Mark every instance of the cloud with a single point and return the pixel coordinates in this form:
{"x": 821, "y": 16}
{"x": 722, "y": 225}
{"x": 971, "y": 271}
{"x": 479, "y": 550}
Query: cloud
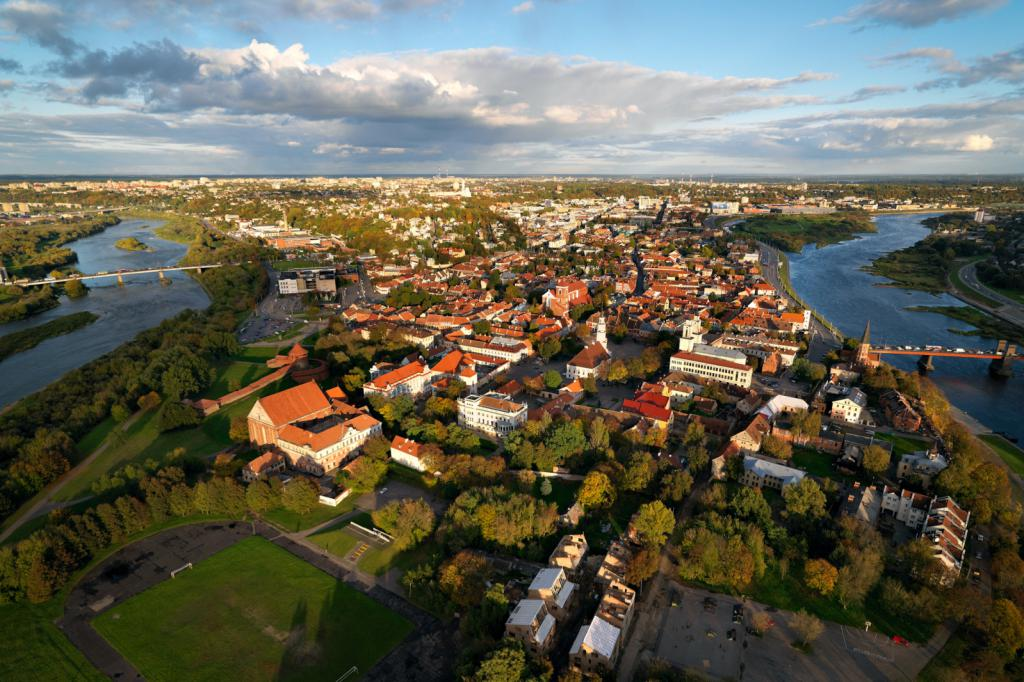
{"x": 523, "y": 7}
{"x": 869, "y": 92}
{"x": 976, "y": 143}
{"x": 10, "y": 65}
{"x": 1002, "y": 67}
{"x": 6, "y": 86}
{"x": 41, "y": 23}
{"x": 911, "y": 13}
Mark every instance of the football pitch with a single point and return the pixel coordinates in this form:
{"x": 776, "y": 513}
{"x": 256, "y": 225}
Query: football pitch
{"x": 252, "y": 612}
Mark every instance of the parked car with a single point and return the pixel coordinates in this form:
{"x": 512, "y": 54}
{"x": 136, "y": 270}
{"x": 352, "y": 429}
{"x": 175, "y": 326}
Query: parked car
{"x": 896, "y": 639}
{"x": 737, "y": 614}
{"x": 731, "y": 635}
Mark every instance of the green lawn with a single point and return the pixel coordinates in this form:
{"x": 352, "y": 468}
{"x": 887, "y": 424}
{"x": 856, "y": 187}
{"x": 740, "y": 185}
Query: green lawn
{"x": 252, "y": 612}
{"x": 297, "y": 264}
{"x": 143, "y": 440}
{"x": 235, "y": 374}
{"x": 902, "y": 445}
{"x": 258, "y": 353}
{"x": 292, "y": 522}
{"x": 339, "y": 540}
{"x": 817, "y": 463}
{"x": 1010, "y": 453}
{"x": 34, "y": 649}
{"x": 97, "y": 435}
{"x": 563, "y": 493}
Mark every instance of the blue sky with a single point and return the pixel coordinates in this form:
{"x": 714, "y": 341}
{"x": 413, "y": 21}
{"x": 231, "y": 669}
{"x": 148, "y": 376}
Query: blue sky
{"x": 541, "y": 86}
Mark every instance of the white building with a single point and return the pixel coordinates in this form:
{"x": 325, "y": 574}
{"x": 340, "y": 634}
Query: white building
{"x": 596, "y": 647}
{"x": 532, "y": 625}
{"x": 851, "y": 407}
{"x": 493, "y": 413}
{"x": 763, "y": 473}
{"x": 552, "y": 586}
{"x": 924, "y": 464}
{"x": 411, "y": 379}
{"x": 407, "y": 453}
{"x": 323, "y": 446}
{"x": 908, "y": 507}
{"x": 717, "y": 364}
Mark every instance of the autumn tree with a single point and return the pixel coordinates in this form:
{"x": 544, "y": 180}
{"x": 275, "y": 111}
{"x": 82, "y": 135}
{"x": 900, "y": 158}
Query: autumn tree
{"x": 238, "y": 430}
{"x": 463, "y": 578}
{"x": 597, "y": 491}
{"x": 807, "y": 627}
{"x": 876, "y": 459}
{"x": 820, "y": 576}
{"x": 675, "y": 486}
{"x": 1005, "y": 628}
{"x": 804, "y": 499}
{"x": 408, "y": 521}
{"x": 773, "y": 446}
{"x": 300, "y": 495}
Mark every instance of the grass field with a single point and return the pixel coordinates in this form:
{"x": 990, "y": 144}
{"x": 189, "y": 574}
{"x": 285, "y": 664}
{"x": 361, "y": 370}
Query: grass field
{"x": 817, "y": 464}
{"x": 252, "y": 612}
{"x": 297, "y": 264}
{"x": 34, "y": 649}
{"x": 143, "y": 440}
{"x": 1010, "y": 453}
{"x": 902, "y": 445}
{"x": 340, "y": 541}
{"x": 293, "y": 522}
{"x": 235, "y": 374}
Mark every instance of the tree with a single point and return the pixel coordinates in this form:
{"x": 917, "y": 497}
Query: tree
{"x": 761, "y": 621}
{"x": 773, "y": 446}
{"x": 642, "y": 565}
{"x": 549, "y": 347}
{"x": 365, "y": 474}
{"x": 652, "y": 524}
{"x": 149, "y": 401}
{"x": 75, "y": 289}
{"x": 617, "y": 372}
{"x": 260, "y": 497}
{"x": 552, "y": 380}
{"x": 175, "y": 415}
{"x": 856, "y": 579}
{"x": 464, "y": 578}
{"x": 119, "y": 412}
{"x": 876, "y": 459}
{"x": 300, "y": 495}
{"x": 638, "y": 472}
{"x": 807, "y": 627}
{"x": 507, "y": 664}
{"x": 749, "y": 503}
{"x": 545, "y": 487}
{"x": 804, "y": 499}
{"x": 820, "y": 576}
{"x": 675, "y": 486}
{"x": 806, "y": 423}
{"x": 408, "y": 521}
{"x": 238, "y": 431}
{"x": 805, "y": 370}
{"x": 1005, "y": 628}
{"x": 597, "y": 491}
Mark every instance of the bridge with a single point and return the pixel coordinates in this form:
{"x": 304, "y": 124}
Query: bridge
{"x": 119, "y": 274}
{"x": 1002, "y": 358}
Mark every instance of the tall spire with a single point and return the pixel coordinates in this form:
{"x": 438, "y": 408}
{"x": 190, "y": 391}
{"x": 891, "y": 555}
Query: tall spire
{"x": 863, "y": 355}
{"x": 866, "y": 338}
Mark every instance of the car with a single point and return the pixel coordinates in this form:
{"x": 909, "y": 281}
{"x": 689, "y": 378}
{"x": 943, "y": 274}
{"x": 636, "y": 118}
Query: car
{"x": 896, "y": 639}
{"x": 737, "y": 614}
{"x": 981, "y": 538}
{"x": 977, "y": 555}
{"x": 731, "y": 635}
{"x": 711, "y": 634}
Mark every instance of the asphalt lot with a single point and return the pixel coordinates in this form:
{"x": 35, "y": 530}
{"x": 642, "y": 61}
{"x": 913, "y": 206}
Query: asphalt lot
{"x": 841, "y": 653}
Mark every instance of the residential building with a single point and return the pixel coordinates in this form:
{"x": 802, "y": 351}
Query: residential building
{"x": 760, "y": 472}
{"x": 411, "y": 379}
{"x": 923, "y": 464}
{"x": 569, "y": 553}
{"x": 557, "y": 591}
{"x": 596, "y": 647}
{"x": 946, "y": 528}
{"x": 851, "y": 407}
{"x": 263, "y": 466}
{"x": 613, "y": 566}
{"x": 493, "y": 413}
{"x": 717, "y": 364}
{"x": 906, "y": 506}
{"x": 407, "y": 453}
{"x": 531, "y": 624}
{"x": 323, "y": 445}
{"x": 589, "y": 362}
{"x": 899, "y": 411}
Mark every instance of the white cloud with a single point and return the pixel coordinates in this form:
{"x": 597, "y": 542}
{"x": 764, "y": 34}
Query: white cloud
{"x": 911, "y": 13}
{"x": 523, "y": 7}
{"x": 976, "y": 143}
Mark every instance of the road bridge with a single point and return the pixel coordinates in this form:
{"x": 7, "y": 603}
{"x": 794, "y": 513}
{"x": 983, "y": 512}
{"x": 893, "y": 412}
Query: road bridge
{"x": 1002, "y": 358}
{"x": 119, "y": 274}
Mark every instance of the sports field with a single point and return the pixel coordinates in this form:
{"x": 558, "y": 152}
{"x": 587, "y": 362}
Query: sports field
{"x": 252, "y": 612}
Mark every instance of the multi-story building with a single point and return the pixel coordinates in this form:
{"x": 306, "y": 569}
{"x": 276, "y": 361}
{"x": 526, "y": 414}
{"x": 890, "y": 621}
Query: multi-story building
{"x": 555, "y": 589}
{"x": 589, "y": 362}
{"x": 569, "y": 553}
{"x": 759, "y": 472}
{"x": 613, "y": 565}
{"x": 411, "y": 379}
{"x": 717, "y": 364}
{"x": 499, "y": 348}
{"x": 272, "y": 413}
{"x": 924, "y": 464}
{"x": 906, "y": 506}
{"x": 531, "y": 624}
{"x": 946, "y": 527}
{"x": 263, "y": 466}
{"x": 598, "y": 643}
{"x": 325, "y": 444}
{"x": 320, "y": 281}
{"x": 567, "y": 294}
{"x": 493, "y": 413}
{"x": 851, "y": 407}
{"x": 407, "y": 453}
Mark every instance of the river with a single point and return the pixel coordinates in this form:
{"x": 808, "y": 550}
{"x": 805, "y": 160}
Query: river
{"x": 830, "y": 280}
{"x": 123, "y": 311}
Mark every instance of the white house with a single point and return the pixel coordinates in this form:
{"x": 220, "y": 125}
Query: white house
{"x": 407, "y": 453}
{"x": 493, "y": 413}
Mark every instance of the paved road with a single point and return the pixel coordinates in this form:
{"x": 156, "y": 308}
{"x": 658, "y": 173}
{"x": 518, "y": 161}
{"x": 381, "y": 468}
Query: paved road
{"x": 822, "y": 339}
{"x": 1008, "y": 309}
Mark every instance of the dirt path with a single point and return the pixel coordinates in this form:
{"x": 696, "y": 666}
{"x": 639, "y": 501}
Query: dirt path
{"x": 45, "y": 504}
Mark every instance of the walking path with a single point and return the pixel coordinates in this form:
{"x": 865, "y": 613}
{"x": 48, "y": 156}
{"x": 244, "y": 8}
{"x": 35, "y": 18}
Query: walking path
{"x": 44, "y": 504}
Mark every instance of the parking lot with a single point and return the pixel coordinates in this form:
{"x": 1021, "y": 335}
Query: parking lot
{"x": 693, "y": 637}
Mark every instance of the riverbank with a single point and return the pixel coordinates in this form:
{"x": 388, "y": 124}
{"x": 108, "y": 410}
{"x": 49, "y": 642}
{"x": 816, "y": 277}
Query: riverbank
{"x": 793, "y": 232}
{"x": 985, "y": 324}
{"x": 173, "y": 227}
{"x": 17, "y": 342}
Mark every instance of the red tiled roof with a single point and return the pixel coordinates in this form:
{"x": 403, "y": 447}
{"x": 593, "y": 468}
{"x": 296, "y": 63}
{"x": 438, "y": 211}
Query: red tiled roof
{"x": 294, "y": 403}
{"x": 409, "y": 447}
{"x": 399, "y": 375}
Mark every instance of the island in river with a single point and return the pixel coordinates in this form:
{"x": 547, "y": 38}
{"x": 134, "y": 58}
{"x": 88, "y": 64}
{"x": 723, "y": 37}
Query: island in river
{"x": 794, "y": 232}
{"x": 132, "y": 244}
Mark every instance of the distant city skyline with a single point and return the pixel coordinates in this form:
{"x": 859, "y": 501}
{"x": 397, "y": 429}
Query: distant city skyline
{"x": 536, "y": 87}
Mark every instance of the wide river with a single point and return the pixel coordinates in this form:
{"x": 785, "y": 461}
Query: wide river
{"x": 123, "y": 311}
{"x": 830, "y": 279}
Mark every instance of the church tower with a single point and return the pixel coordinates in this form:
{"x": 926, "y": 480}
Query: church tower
{"x": 863, "y": 356}
{"x": 601, "y": 333}
{"x": 692, "y": 334}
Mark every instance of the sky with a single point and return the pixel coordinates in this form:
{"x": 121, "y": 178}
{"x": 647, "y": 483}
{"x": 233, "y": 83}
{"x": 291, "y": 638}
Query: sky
{"x": 666, "y": 87}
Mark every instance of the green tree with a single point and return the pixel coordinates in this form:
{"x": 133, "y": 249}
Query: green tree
{"x": 804, "y": 498}
{"x": 552, "y": 380}
{"x": 238, "y": 430}
{"x": 408, "y": 521}
{"x": 545, "y": 487}
{"x": 876, "y": 459}
{"x": 675, "y": 486}
{"x": 507, "y": 664}
{"x": 75, "y": 289}
{"x": 463, "y": 578}
{"x": 776, "y": 447}
{"x": 1005, "y": 628}
{"x": 638, "y": 472}
{"x": 806, "y": 423}
{"x": 300, "y": 495}
{"x": 365, "y": 474}
{"x": 260, "y": 497}
{"x": 807, "y": 627}
{"x": 617, "y": 372}
{"x": 652, "y": 524}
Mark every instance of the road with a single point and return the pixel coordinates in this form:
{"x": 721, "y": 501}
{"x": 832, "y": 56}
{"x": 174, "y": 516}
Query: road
{"x": 1008, "y": 309}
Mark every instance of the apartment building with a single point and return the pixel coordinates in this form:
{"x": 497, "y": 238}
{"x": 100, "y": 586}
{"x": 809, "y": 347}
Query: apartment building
{"x": 325, "y": 444}
{"x": 946, "y": 527}
{"x": 851, "y": 407}
{"x": 556, "y": 591}
{"x": 569, "y": 553}
{"x": 531, "y": 624}
{"x": 923, "y": 464}
{"x": 493, "y": 413}
{"x": 598, "y": 643}
{"x": 759, "y": 472}
{"x": 613, "y": 566}
{"x": 411, "y": 379}
{"x": 906, "y": 506}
